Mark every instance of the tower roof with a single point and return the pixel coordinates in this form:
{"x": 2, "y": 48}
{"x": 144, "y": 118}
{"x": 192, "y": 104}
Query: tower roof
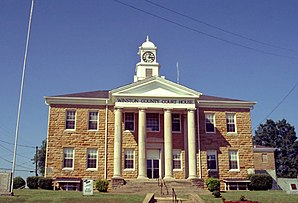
{"x": 148, "y": 44}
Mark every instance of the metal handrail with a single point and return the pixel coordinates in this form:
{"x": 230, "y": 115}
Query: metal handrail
{"x": 174, "y": 196}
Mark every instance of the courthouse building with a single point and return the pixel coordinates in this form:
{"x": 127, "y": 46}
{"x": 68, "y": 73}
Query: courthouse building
{"x": 151, "y": 128}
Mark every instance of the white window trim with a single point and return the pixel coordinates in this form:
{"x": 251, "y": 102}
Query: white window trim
{"x": 238, "y": 164}
{"x": 66, "y": 129}
{"x": 134, "y": 122}
{"x": 235, "y": 123}
{"x": 149, "y": 129}
{"x": 93, "y": 111}
{"x": 212, "y": 152}
{"x": 134, "y": 160}
{"x": 177, "y": 151}
{"x": 73, "y": 160}
{"x": 214, "y": 124}
{"x": 179, "y": 123}
{"x": 290, "y": 184}
{"x": 92, "y": 169}
{"x": 264, "y": 160}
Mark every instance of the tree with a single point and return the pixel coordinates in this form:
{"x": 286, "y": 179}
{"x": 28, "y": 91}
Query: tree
{"x": 41, "y": 157}
{"x": 282, "y": 136}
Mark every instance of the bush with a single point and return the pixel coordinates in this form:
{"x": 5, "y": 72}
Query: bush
{"x": 18, "y": 182}
{"x": 216, "y": 194}
{"x": 32, "y": 182}
{"x": 213, "y": 184}
{"x": 45, "y": 183}
{"x": 260, "y": 182}
{"x": 102, "y": 185}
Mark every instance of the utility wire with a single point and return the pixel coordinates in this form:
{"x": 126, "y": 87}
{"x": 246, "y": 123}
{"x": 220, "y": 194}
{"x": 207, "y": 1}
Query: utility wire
{"x": 16, "y": 164}
{"x": 12, "y": 152}
{"x": 219, "y": 28}
{"x": 18, "y": 144}
{"x": 7, "y": 169}
{"x": 283, "y": 99}
{"x": 204, "y": 33}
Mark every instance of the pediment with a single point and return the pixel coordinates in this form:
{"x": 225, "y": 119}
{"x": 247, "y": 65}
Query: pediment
{"x": 155, "y": 87}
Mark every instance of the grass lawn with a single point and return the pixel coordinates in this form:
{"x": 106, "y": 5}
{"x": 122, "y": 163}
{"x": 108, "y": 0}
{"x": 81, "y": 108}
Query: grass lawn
{"x": 276, "y": 196}
{"x": 27, "y": 195}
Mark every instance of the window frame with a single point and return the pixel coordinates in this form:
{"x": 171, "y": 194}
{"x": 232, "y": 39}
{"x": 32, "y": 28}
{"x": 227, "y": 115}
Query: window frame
{"x": 70, "y": 120}
{"x": 129, "y": 121}
{"x": 177, "y": 119}
{"x": 209, "y": 153}
{"x": 89, "y": 120}
{"x": 92, "y": 158}
{"x": 232, "y": 159}
{"x": 148, "y": 72}
{"x": 150, "y": 129}
{"x": 293, "y": 186}
{"x": 126, "y": 158}
{"x": 177, "y": 152}
{"x": 65, "y": 153}
{"x": 213, "y": 122}
{"x": 264, "y": 158}
{"x": 228, "y": 122}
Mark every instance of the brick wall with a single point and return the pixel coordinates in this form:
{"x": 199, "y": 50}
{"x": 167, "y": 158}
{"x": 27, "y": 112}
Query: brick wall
{"x": 81, "y": 139}
{"x": 222, "y": 142}
{"x": 261, "y": 163}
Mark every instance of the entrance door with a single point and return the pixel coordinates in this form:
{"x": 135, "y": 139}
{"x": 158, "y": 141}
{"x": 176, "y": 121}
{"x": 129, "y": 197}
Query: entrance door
{"x": 153, "y": 163}
{"x": 153, "y": 168}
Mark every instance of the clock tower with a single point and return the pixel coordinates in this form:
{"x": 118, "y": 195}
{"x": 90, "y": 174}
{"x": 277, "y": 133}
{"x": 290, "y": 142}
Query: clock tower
{"x": 147, "y": 67}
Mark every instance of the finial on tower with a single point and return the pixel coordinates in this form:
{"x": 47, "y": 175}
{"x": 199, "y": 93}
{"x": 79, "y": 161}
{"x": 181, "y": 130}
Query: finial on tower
{"x": 147, "y": 39}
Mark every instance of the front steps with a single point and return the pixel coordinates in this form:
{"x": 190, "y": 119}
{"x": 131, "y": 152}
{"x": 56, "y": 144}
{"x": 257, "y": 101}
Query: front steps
{"x": 182, "y": 188}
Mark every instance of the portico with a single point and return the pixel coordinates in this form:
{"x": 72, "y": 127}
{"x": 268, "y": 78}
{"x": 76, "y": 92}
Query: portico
{"x": 161, "y": 103}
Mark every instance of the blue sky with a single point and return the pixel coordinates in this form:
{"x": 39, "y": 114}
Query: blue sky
{"x": 79, "y": 45}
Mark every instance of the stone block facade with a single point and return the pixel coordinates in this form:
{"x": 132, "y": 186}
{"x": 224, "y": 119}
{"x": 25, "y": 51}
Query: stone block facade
{"x": 82, "y": 139}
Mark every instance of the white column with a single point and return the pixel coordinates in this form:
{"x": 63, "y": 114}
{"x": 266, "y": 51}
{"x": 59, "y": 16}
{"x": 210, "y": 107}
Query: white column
{"x": 142, "y": 145}
{"x": 185, "y": 145}
{"x": 117, "y": 142}
{"x": 168, "y": 144}
{"x": 191, "y": 144}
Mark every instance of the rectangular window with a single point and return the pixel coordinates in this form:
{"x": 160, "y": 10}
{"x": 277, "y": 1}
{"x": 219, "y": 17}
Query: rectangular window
{"x": 176, "y": 122}
{"x": 293, "y": 186}
{"x": 129, "y": 119}
{"x": 129, "y": 155}
{"x": 93, "y": 120}
{"x": 212, "y": 160}
{"x": 233, "y": 160}
{"x": 148, "y": 72}
{"x": 92, "y": 158}
{"x": 264, "y": 158}
{"x": 231, "y": 124}
{"x": 70, "y": 120}
{"x": 68, "y": 157}
{"x": 177, "y": 159}
{"x": 152, "y": 121}
{"x": 209, "y": 121}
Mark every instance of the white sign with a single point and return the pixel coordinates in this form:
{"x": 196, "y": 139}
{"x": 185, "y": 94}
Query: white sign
{"x": 88, "y": 187}
{"x": 155, "y": 101}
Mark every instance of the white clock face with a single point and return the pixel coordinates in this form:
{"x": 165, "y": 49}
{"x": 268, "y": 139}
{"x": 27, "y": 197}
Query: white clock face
{"x": 148, "y": 57}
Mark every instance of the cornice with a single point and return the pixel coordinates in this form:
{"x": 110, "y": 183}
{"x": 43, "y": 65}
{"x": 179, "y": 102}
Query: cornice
{"x": 77, "y": 100}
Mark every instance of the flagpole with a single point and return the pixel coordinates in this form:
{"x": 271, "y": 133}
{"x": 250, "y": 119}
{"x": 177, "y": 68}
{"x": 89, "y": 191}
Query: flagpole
{"x": 20, "y": 98}
{"x": 178, "y": 74}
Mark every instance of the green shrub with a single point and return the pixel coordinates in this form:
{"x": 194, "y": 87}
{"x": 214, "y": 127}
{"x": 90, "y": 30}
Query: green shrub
{"x": 213, "y": 184}
{"x": 102, "y": 185}
{"x": 45, "y": 183}
{"x": 260, "y": 182}
{"x": 216, "y": 194}
{"x": 32, "y": 182}
{"x": 18, "y": 182}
